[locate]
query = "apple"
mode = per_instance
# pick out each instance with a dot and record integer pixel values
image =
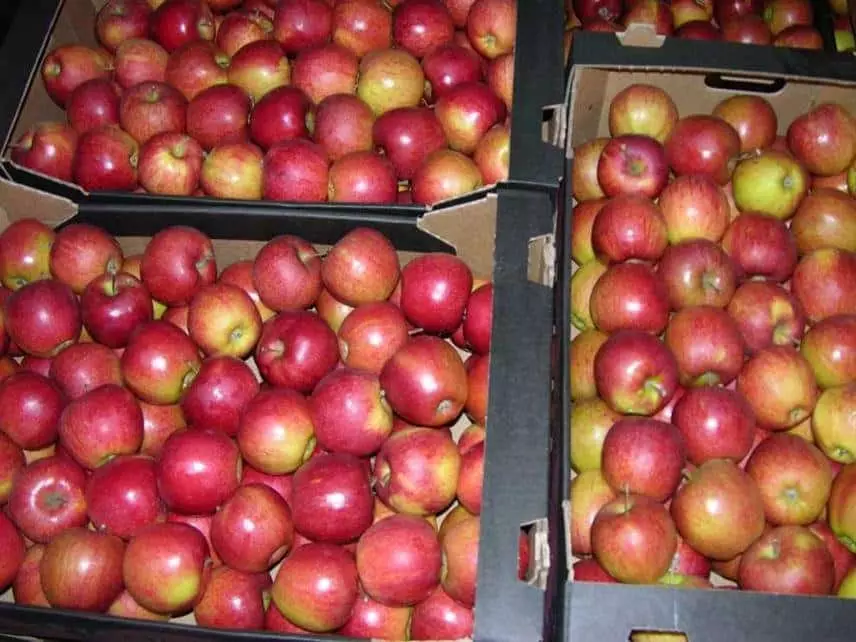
(840, 507)
(492, 27)
(296, 349)
(223, 320)
(630, 296)
(170, 164)
(42, 318)
(471, 476)
(707, 345)
(421, 26)
(201, 523)
(584, 180)
(197, 66)
(93, 104)
(233, 599)
(253, 530)
(139, 60)
(361, 27)
(47, 148)
(460, 557)
(435, 289)
(698, 30)
(25, 247)
(370, 335)
(260, 67)
(760, 246)
(425, 381)
(794, 478)
(767, 314)
(219, 115)
(842, 558)
(219, 394)
(284, 113)
(362, 177)
(27, 584)
(629, 227)
(694, 207)
(697, 272)
(591, 419)
(825, 218)
(747, 29)
(466, 112)
(728, 10)
(500, 78)
(295, 170)
(831, 423)
(343, 124)
(642, 109)
(450, 65)
(233, 170)
(47, 498)
(332, 498)
(276, 434)
(300, 25)
(371, 619)
(718, 510)
(589, 493)
(655, 13)
(240, 28)
(106, 159)
(634, 539)
(166, 567)
(317, 587)
(325, 70)
(583, 281)
(287, 273)
(771, 182)
(702, 144)
(824, 138)
(152, 108)
(82, 570)
(122, 496)
(445, 174)
(830, 348)
(11, 462)
(83, 367)
(68, 66)
(179, 22)
(274, 620)
(822, 283)
(752, 117)
(417, 471)
(716, 423)
(687, 11)
(407, 136)
(120, 20)
(391, 78)
(112, 306)
(632, 164)
(787, 560)
(82, 252)
(478, 371)
(589, 570)
(13, 552)
(240, 274)
(30, 408)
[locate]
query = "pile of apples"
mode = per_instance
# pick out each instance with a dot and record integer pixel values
(713, 367)
(783, 23)
(843, 30)
(359, 101)
(269, 447)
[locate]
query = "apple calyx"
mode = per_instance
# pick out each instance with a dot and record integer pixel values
(710, 281)
(842, 455)
(798, 415)
(134, 158)
(771, 551)
(707, 379)
(54, 501)
(52, 68)
(791, 494)
(223, 61)
(152, 95)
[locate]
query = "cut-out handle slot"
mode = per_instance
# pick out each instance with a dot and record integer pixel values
(533, 553)
(658, 636)
(744, 84)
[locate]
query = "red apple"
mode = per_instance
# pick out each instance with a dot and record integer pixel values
(331, 498)
(112, 306)
(772, 182)
(260, 67)
(748, 29)
(343, 124)
(390, 78)
(362, 267)
(830, 348)
(445, 174)
(42, 318)
(284, 113)
(27, 586)
(630, 296)
(766, 314)
(11, 462)
(466, 112)
(842, 558)
(197, 66)
(811, 136)
(170, 164)
(408, 136)
(219, 394)
(694, 207)
(152, 108)
(176, 263)
(362, 177)
(642, 109)
(48, 497)
(492, 26)
(650, 12)
(276, 434)
(435, 289)
(632, 164)
(824, 282)
(139, 60)
(707, 345)
(760, 246)
(240, 274)
(460, 557)
(82, 367)
(166, 567)
(752, 117)
(420, 26)
(634, 539)
(233, 600)
(718, 510)
(361, 26)
(500, 78)
(241, 28)
(450, 65)
(47, 148)
(701, 144)
(93, 104)
(30, 408)
(698, 30)
(106, 159)
(372, 619)
(628, 227)
(12, 545)
(25, 247)
(317, 587)
(179, 22)
(370, 335)
(68, 66)
(235, 171)
(300, 25)
(825, 218)
(219, 115)
(287, 273)
(727, 10)
(781, 14)
(787, 560)
(121, 20)
(478, 319)
(223, 320)
(689, 562)
(716, 423)
(325, 70)
(82, 252)
(122, 496)
(281, 484)
(589, 493)
(588, 570)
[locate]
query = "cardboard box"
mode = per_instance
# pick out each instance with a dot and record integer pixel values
(499, 236)
(42, 25)
(697, 76)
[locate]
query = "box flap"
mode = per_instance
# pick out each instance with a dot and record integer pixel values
(24, 202)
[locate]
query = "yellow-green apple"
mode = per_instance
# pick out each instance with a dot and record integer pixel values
(701, 144)
(159, 362)
(253, 530)
(591, 420)
(287, 273)
(198, 470)
(223, 320)
(847, 588)
(694, 207)
(82, 570)
(716, 423)
(832, 423)
(233, 170)
(417, 471)
(752, 117)
(771, 182)
(824, 282)
(122, 496)
(68, 66)
(219, 394)
(584, 182)
(779, 385)
(390, 78)
(219, 116)
(787, 560)
(276, 434)
(794, 478)
(697, 272)
(823, 139)
(399, 560)
(42, 318)
(718, 510)
(460, 560)
(166, 567)
(830, 348)
(584, 348)
(296, 349)
(643, 456)
(767, 314)
(159, 422)
(30, 408)
(628, 226)
(707, 345)
(633, 164)
(325, 70)
(635, 373)
(588, 494)
(584, 215)
(233, 599)
(582, 285)
(842, 559)
(825, 218)
(630, 296)
(316, 587)
(760, 246)
(634, 539)
(176, 263)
